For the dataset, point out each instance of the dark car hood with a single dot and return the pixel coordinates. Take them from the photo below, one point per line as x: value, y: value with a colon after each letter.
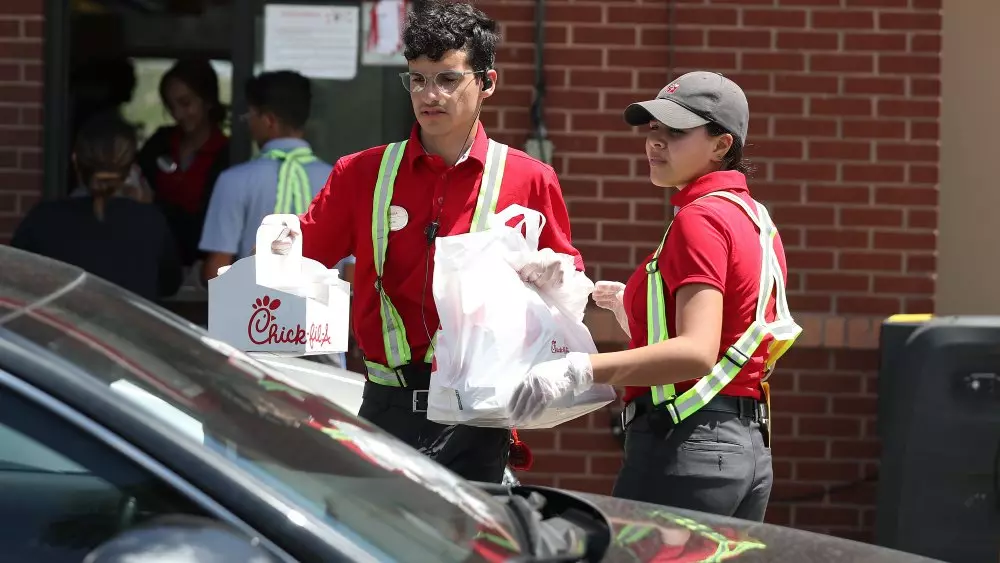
x: 648, y: 532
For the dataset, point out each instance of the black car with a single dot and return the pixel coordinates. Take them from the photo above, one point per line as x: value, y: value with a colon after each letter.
x: 118, y: 417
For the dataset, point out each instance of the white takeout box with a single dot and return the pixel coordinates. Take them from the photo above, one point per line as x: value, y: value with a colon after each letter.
x: 287, y: 305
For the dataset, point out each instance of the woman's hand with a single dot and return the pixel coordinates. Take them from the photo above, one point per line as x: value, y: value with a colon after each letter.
x: 608, y: 295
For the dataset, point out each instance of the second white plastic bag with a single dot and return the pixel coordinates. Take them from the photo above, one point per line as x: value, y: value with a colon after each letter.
x: 494, y: 327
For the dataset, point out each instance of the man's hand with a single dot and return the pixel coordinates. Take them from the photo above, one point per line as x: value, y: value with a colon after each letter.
x: 547, y: 382
x: 543, y: 269
x: 608, y: 295
x: 282, y: 244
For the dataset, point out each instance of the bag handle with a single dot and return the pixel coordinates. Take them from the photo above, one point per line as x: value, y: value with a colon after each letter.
x: 532, y: 221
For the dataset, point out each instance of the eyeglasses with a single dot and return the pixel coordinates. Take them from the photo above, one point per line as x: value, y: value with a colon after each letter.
x: 446, y: 81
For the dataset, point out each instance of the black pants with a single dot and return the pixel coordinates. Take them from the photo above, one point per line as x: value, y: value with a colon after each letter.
x: 714, y: 462
x: 477, y: 454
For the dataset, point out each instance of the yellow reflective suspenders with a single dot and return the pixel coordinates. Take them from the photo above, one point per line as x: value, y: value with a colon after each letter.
x: 397, y: 348
x: 783, y: 329
x: 294, y: 192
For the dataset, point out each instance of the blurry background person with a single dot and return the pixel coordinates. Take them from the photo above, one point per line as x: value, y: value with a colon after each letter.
x: 124, y: 241
x: 181, y: 162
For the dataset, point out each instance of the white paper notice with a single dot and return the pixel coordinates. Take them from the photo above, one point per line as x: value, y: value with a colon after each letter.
x: 388, y: 14
x: 317, y: 41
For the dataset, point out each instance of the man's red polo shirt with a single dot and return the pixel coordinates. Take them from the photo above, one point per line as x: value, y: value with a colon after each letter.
x: 339, y: 223
x: 711, y: 241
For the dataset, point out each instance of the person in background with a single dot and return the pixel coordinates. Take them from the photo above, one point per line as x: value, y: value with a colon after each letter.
x: 117, y: 238
x: 181, y: 162
x: 284, y: 178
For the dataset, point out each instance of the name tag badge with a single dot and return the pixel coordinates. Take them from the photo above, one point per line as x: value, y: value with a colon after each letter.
x: 398, y: 218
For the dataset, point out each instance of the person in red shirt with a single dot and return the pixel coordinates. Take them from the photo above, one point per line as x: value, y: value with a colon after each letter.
x: 182, y: 161
x: 706, y: 314
x: 389, y: 220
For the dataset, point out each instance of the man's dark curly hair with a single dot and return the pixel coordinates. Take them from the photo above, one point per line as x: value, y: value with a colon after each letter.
x: 435, y: 27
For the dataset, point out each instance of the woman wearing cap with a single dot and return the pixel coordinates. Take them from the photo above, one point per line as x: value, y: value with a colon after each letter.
x: 701, y: 347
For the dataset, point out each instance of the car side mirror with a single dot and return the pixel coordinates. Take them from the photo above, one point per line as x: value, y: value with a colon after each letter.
x: 180, y: 539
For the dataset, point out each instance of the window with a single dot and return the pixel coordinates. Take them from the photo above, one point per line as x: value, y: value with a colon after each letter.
x: 62, y: 492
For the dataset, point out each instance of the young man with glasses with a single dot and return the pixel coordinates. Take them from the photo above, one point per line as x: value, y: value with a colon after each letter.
x: 386, y: 205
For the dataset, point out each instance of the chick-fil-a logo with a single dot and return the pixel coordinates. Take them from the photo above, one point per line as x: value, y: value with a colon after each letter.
x: 557, y: 349
x: 263, y: 327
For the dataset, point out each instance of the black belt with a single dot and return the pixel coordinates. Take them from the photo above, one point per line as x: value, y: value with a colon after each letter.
x: 413, y: 396
x: 657, y: 419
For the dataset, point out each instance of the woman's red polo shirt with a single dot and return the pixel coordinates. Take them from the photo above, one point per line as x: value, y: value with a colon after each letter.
x: 713, y: 242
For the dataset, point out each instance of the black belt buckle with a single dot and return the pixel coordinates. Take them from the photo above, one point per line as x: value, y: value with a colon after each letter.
x: 418, y: 404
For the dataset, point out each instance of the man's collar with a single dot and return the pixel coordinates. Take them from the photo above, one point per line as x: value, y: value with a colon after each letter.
x: 477, y: 151
x: 284, y: 144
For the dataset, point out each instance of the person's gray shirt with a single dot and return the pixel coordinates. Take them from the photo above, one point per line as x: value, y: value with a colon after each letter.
x: 247, y: 192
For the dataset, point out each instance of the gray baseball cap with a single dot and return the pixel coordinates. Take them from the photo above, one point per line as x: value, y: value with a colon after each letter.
x: 695, y: 99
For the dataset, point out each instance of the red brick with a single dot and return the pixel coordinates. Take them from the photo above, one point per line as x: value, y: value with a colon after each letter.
x: 908, y: 108
x: 842, y: 19
x: 806, y: 83
x: 904, y: 241
x: 841, y: 63
x: 810, y: 259
x: 840, y: 106
x: 910, y: 21
x: 829, y: 426
x: 773, y: 61
x: 907, y: 152
x: 838, y: 194
x: 909, y: 64
x: 872, y: 85
x: 807, y: 40
x: 827, y: 238
x: 804, y: 171
x: 867, y: 305
x: 874, y: 42
x: 871, y: 217
x: 840, y: 150
x: 708, y: 15
x: 897, y: 285
x: 872, y: 173
x: 774, y: 18
x: 746, y: 38
x: 870, y: 261
x: 838, y: 282
x: 874, y: 129
x: 921, y: 263
x: 800, y: 127
x: 803, y: 215
x: 601, y: 35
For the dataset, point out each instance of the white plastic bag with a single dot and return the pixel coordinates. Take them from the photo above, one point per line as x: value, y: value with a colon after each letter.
x: 280, y: 304
x: 494, y: 327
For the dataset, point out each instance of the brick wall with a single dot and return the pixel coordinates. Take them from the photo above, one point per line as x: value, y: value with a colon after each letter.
x: 20, y: 110
x: 844, y: 99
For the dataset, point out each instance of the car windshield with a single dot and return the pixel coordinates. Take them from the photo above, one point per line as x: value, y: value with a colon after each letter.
x: 336, y: 467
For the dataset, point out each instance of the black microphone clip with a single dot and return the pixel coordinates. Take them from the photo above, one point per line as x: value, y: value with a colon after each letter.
x: 431, y: 231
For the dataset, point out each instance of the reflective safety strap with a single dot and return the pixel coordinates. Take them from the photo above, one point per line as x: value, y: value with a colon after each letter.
x: 294, y: 192
x: 397, y: 348
x: 783, y: 329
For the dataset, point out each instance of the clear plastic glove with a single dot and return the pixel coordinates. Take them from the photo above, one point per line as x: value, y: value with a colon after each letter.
x: 282, y: 244
x: 609, y: 295
x: 547, y: 382
x: 543, y: 269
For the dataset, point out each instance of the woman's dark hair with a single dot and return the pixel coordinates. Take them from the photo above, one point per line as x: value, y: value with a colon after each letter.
x: 734, y: 158
x: 104, y: 152
x: 435, y: 27
x: 200, y: 77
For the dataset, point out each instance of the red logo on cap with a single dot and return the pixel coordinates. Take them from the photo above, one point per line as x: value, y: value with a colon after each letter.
x: 672, y: 88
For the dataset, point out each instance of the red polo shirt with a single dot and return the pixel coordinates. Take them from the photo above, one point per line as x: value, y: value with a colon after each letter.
x: 339, y: 223
x: 711, y: 241
x: 186, y: 188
